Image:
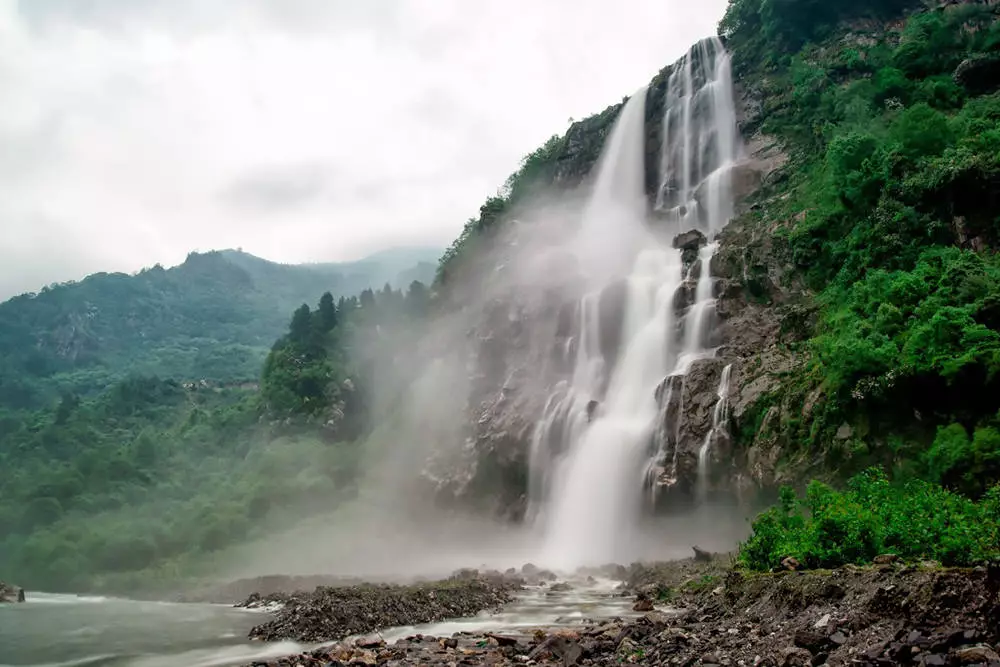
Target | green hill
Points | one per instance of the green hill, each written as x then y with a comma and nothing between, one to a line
214,317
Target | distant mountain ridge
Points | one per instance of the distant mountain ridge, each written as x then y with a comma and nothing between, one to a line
212,317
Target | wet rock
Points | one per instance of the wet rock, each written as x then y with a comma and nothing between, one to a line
502,640
448,642
643,603
690,240
10,593
560,587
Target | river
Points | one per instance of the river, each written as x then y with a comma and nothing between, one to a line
70,631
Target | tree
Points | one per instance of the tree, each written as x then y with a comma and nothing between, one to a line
327,313
300,329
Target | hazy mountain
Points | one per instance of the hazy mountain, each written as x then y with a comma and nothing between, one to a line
212,317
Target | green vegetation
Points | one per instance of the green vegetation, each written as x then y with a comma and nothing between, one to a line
913,520
211,318
153,474
888,216
889,213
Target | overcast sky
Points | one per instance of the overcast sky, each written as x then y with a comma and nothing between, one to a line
134,131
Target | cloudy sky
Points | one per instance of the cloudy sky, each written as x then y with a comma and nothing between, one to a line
134,131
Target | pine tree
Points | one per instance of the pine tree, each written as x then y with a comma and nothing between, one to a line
327,313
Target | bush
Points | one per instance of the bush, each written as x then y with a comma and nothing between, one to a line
914,520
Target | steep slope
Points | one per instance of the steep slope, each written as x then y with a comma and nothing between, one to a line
213,317
856,283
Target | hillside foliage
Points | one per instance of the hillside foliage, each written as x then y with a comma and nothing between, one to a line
211,318
153,473
890,114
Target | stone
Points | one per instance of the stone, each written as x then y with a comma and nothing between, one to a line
822,622
980,74
10,593
933,660
796,657
976,654
690,240
814,642
838,638
502,640
701,555
448,642
572,654
885,559
844,432
560,587
643,604
791,564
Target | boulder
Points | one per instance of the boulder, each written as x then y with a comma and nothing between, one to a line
690,240
10,593
979,75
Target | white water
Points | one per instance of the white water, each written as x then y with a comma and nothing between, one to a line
720,418
588,467
700,143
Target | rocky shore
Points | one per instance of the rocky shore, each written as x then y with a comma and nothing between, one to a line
332,613
699,613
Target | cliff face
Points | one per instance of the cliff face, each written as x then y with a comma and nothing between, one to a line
518,346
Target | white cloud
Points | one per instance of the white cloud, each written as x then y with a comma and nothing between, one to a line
133,131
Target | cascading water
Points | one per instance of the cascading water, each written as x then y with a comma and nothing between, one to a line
592,446
700,142
720,418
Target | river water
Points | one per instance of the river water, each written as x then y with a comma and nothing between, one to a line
71,631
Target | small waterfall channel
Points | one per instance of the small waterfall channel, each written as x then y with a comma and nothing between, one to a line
613,423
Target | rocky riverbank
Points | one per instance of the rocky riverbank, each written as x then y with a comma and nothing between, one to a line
705,614
332,613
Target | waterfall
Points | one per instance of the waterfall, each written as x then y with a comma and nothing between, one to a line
607,428
720,419
700,142
698,322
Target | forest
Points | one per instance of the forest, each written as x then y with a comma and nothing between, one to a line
133,487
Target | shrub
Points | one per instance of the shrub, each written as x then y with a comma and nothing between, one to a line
917,519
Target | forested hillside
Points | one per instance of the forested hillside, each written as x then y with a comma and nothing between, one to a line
154,474
211,318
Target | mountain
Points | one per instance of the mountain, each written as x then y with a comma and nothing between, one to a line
212,317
